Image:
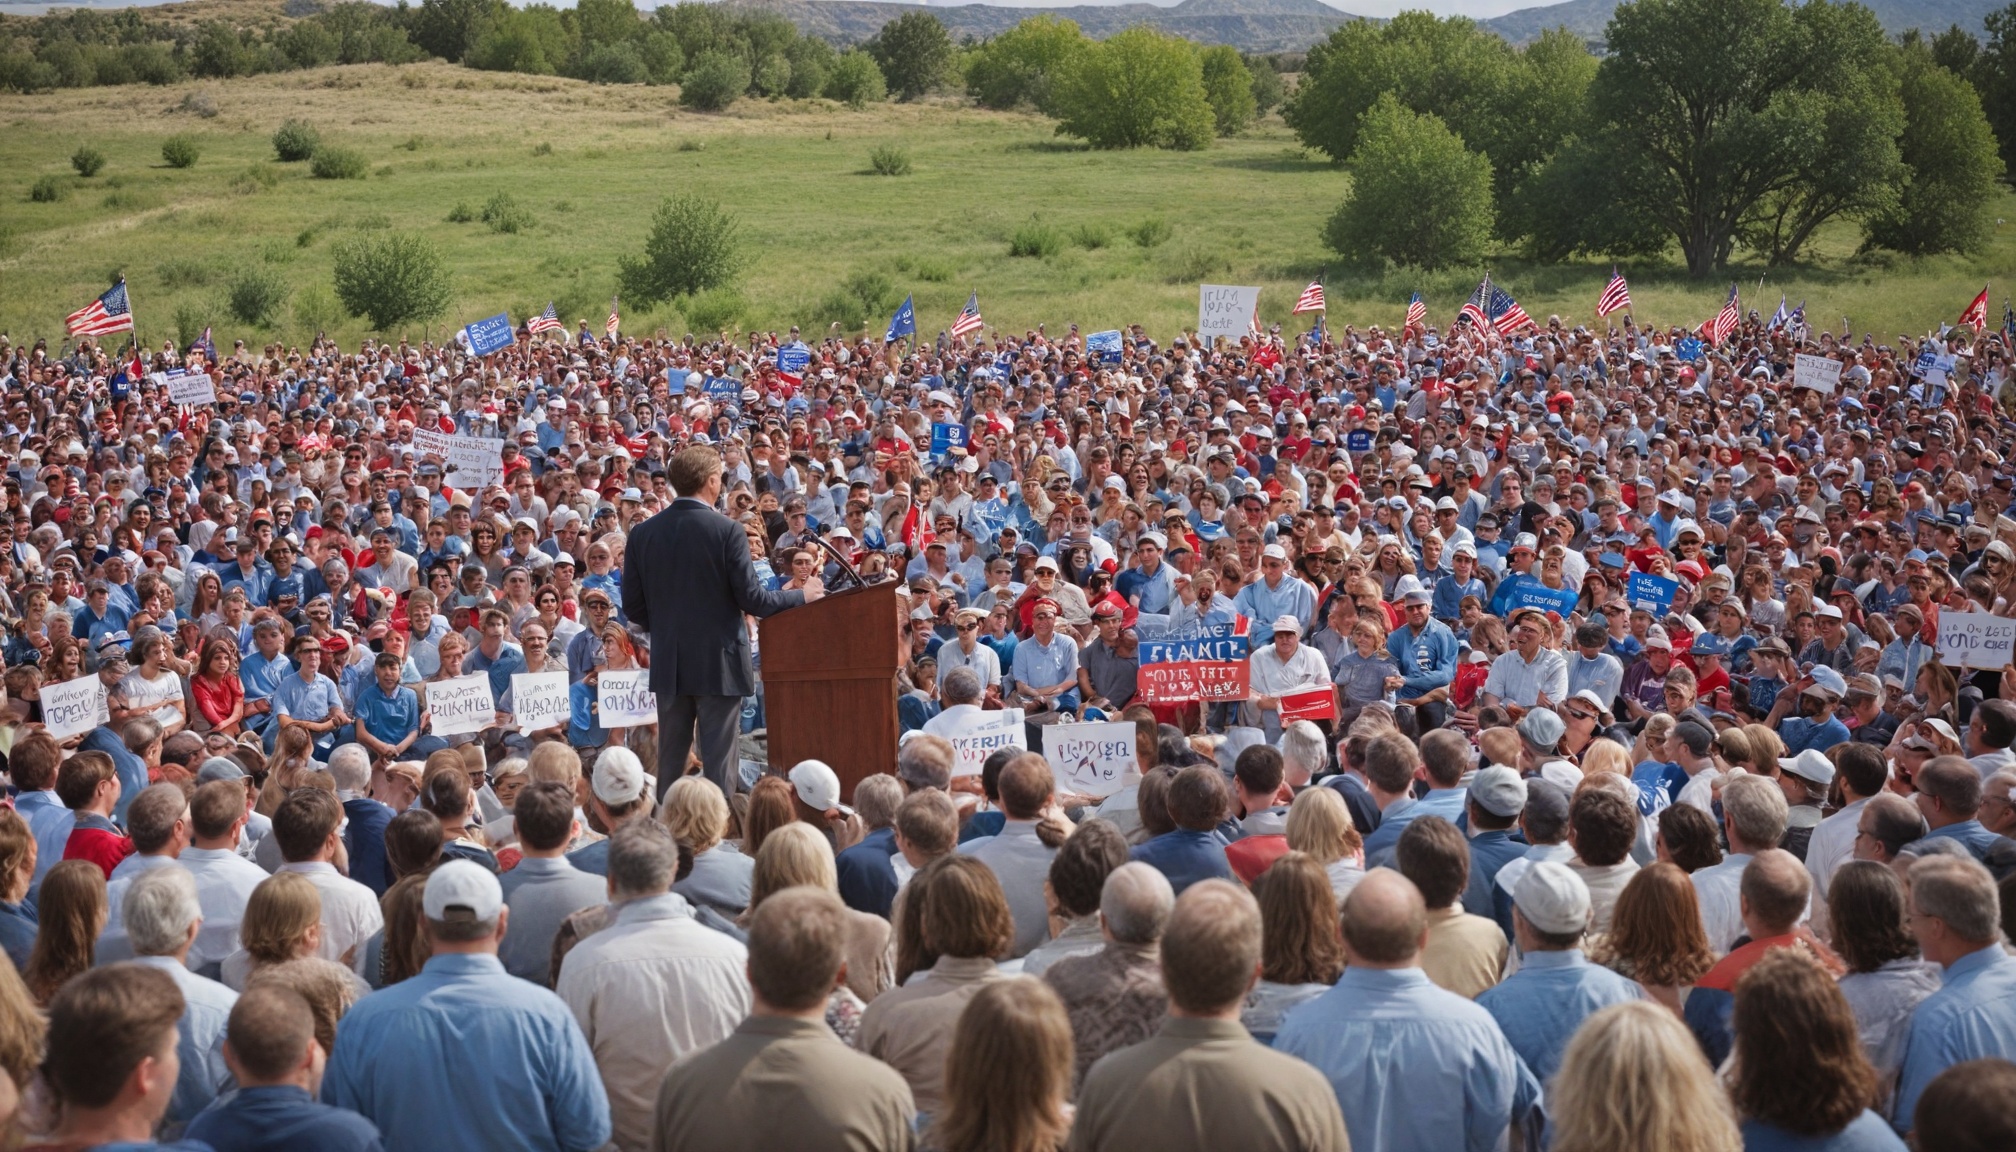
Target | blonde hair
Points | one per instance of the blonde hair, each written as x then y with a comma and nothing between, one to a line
792,855
23,1031
1766,747
1319,824
696,813
278,916
328,987
1606,756
1633,1077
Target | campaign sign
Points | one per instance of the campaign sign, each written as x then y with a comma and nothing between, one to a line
539,700
1313,704
624,699
74,707
1820,373
970,750
1090,759
1193,648
1533,594
792,360
1653,593
466,461
1226,681
187,387
461,705
1103,347
1358,440
946,437
492,335
1966,640
1226,310
723,389
1690,349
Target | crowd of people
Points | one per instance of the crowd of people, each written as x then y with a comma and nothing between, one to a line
1641,805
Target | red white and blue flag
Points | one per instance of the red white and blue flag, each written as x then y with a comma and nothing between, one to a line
1311,299
1490,307
1717,330
1616,295
547,321
109,313
969,317
1417,315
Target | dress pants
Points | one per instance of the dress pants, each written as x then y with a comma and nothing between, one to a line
718,721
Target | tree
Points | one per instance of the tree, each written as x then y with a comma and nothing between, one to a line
1995,79
714,80
1418,196
1017,66
1228,87
811,61
607,21
1139,88
694,245
1950,152
856,80
1268,91
915,53
1955,50
392,278
534,40
449,28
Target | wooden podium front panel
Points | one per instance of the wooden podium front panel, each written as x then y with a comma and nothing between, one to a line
829,690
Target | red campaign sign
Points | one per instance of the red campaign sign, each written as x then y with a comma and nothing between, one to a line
1182,681
1314,704
1226,680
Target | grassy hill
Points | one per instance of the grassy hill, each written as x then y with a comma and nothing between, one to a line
588,164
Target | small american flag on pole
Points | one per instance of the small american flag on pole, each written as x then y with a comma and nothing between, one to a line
1506,314
1725,321
610,328
1311,299
1417,315
1472,311
112,312
547,321
1616,295
969,317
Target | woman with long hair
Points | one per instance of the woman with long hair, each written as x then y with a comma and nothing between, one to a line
1634,1078
151,689
207,602
1008,1075
413,846
65,660
18,852
282,922
1319,827
1885,979
1656,936
70,912
797,855
293,758
1301,941
23,1030
1797,1073
219,693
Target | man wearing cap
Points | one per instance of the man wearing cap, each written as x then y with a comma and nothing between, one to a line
1863,706
1540,1006
1461,581
309,700
1530,675
1492,803
1817,693
966,651
688,581
1836,643
1274,595
1108,667
1518,573
403,1056
1283,667
1044,673
1424,649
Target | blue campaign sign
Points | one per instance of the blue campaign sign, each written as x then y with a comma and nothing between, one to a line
945,437
1654,593
1533,594
724,389
492,335
1689,349
1200,648
791,361
1358,440
1104,347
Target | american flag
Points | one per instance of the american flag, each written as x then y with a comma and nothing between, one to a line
1616,295
1779,318
547,321
1417,315
1311,299
969,317
1725,321
112,312
1473,310
610,328
1976,314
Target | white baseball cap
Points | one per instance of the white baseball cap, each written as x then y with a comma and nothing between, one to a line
463,891
818,787
1552,898
619,776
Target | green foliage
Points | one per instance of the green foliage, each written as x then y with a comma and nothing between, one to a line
714,81
1950,152
462,213
811,62
1016,67
1956,49
256,297
607,22
1035,238
663,58
257,176
296,140
1228,86
48,189
1092,235
88,161
1137,89
915,53
333,163
182,272
316,310
1268,90
191,319
392,278
221,51
181,151
865,298
533,40
450,28
503,213
856,80
934,271
889,160
1994,76
1151,233
1418,196
693,245
771,75
715,310
621,63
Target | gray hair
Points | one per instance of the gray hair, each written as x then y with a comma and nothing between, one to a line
1302,745
643,859
876,798
1756,810
962,686
159,908
350,767
1959,891
1136,902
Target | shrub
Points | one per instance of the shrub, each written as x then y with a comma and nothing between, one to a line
316,311
47,190
693,245
1138,88
200,104
1418,196
182,272
256,297
190,321
1150,232
1037,239
1092,235
934,271
864,298
915,53
333,163
856,80
889,160
462,213
392,278
88,161
713,82
180,151
503,213
613,64
296,140
543,148
715,310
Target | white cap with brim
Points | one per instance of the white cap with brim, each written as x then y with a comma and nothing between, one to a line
1812,766
817,785
619,776
1552,898
462,891
1287,623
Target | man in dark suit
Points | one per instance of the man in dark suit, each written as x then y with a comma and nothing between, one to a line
688,580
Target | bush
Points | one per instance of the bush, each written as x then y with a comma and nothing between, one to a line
1418,196
333,163
1228,87
47,190
180,151
772,75
88,161
889,160
182,272
1092,236
256,297
257,176
200,104
296,140
190,321
613,64
316,311
715,310
1151,232
714,81
865,298
1016,67
1139,88
693,245
856,80
462,213
1035,239
503,213
392,278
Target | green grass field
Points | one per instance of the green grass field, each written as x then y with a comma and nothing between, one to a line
590,163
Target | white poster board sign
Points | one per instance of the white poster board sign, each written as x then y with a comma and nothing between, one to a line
1820,373
461,705
1090,759
1976,639
1003,729
624,699
74,707
188,387
539,700
1226,310
466,461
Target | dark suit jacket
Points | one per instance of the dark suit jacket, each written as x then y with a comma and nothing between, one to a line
687,580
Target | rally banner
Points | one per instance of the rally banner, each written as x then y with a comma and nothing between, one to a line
792,360
187,387
1820,373
1209,642
1090,759
491,335
624,699
1187,680
1967,640
1226,310
1533,594
74,707
946,437
539,700
1313,704
1103,348
461,705
723,389
1004,729
1653,593
466,461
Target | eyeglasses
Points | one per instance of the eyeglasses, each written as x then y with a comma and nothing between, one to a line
967,627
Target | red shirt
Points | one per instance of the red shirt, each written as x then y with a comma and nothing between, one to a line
105,846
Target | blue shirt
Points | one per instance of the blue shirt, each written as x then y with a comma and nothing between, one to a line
510,659
1037,665
261,676
1449,594
131,769
1427,660
388,718
1975,836
1540,1006
1973,1015
51,822
1412,1065
281,1116
206,1008
1800,734
1444,802
17,932
1865,1133
1185,856
1263,605
310,700
406,1059
1489,852
1156,592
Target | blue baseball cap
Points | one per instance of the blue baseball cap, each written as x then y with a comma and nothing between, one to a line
1709,644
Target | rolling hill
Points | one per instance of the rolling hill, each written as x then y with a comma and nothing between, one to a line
1252,25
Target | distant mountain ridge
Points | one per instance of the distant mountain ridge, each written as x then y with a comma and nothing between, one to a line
1250,25
1588,18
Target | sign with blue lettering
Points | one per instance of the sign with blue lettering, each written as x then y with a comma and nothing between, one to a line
723,389
1533,594
1211,642
946,437
791,361
1103,347
1358,440
1653,593
1690,349
491,335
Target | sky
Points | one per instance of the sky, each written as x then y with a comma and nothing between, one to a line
1479,9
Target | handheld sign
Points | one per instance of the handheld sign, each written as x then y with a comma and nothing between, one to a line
492,335
1820,373
792,360
539,700
461,705
74,707
1090,759
1560,601
1312,704
1653,593
625,698
1690,349
188,387
1104,347
1966,640
723,389
1358,440
971,749
946,437
467,461
1226,310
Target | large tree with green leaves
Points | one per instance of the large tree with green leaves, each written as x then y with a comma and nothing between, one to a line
449,28
393,278
1229,88
1139,88
1016,67
915,53
1950,152
1418,196
1994,76
694,245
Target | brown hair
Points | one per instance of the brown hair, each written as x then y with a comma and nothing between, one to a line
215,807
1966,1108
34,762
1153,801
1211,946
797,943
1301,941
1865,905
1008,1072
413,841
278,916
1798,1059
690,468
78,779
1026,786
71,912
1434,855
1604,825
407,946
1656,936
1692,839
543,814
1079,870
304,822
770,807
329,988
17,844
270,1029
103,1024
965,912
928,819
1197,799
22,1029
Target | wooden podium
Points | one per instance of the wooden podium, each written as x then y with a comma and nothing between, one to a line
829,682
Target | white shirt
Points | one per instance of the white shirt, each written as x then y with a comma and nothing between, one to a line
983,661
152,697
1831,845
350,913
224,884
649,989
1272,676
1719,889
1700,790
961,720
